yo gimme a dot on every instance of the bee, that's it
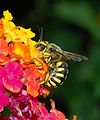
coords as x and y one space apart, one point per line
57 60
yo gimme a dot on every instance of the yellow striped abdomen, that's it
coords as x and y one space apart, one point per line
57 76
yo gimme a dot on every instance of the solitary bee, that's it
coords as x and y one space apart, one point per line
57 60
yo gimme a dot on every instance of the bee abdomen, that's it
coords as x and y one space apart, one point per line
58 75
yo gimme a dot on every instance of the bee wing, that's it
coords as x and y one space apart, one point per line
74 57
69 55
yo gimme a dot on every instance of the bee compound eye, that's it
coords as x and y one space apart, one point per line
40 47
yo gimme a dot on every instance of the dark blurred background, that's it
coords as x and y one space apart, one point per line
74 25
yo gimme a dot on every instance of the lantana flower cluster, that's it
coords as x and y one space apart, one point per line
21 74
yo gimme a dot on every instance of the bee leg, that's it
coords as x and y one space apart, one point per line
45 80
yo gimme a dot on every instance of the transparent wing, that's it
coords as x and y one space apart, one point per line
74 57
56 50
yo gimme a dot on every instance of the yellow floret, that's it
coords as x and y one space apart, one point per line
7 15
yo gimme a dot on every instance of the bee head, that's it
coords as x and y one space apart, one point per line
41 45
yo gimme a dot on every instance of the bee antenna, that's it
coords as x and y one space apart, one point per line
40 32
